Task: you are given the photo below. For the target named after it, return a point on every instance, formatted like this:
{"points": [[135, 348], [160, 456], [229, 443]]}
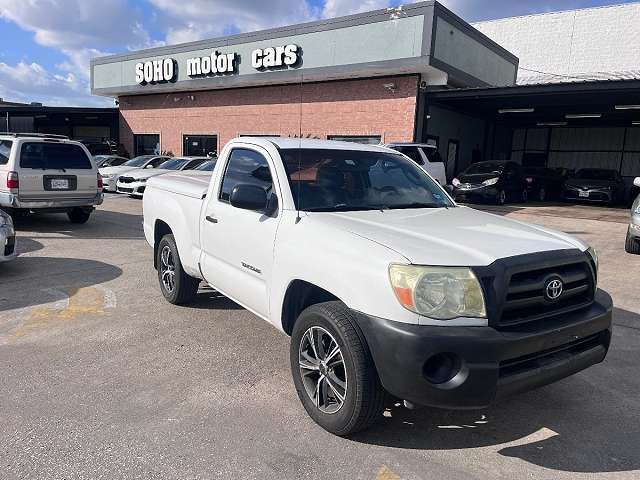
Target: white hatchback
{"points": [[48, 173]]}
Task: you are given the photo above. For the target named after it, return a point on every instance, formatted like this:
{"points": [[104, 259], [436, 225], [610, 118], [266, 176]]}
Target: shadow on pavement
{"points": [[28, 245], [30, 281], [210, 299], [587, 423]]}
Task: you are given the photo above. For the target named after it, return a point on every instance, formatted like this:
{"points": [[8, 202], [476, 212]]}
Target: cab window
{"points": [[245, 167]]}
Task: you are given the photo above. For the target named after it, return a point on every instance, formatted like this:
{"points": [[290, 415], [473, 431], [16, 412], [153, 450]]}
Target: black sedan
{"points": [[491, 182], [595, 185]]}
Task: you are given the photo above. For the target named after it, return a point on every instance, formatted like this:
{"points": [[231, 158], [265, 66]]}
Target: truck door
{"points": [[237, 244]]}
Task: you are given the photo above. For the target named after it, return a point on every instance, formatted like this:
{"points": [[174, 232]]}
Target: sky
{"points": [[46, 45]]}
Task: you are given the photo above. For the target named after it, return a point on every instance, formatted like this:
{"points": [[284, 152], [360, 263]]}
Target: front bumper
{"points": [[592, 195], [477, 194], [13, 200], [134, 188], [8, 250], [493, 363]]}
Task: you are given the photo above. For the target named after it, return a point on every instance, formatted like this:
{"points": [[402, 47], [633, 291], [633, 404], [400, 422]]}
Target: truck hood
{"points": [[458, 236]]}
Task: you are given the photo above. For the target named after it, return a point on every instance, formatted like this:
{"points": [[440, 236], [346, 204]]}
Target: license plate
{"points": [[583, 194], [60, 184]]}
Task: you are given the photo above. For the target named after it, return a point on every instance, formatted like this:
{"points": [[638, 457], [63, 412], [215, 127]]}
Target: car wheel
{"points": [[632, 245], [79, 215], [176, 285], [542, 195], [501, 198], [525, 196], [333, 371]]}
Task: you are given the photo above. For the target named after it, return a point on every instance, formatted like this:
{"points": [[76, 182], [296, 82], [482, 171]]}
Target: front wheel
{"points": [[632, 245], [501, 199], [333, 371], [176, 285]]}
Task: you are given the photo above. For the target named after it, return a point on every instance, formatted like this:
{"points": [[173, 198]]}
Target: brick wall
{"points": [[351, 107]]}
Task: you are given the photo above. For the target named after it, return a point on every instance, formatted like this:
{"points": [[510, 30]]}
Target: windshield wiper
{"points": [[341, 207], [415, 205]]}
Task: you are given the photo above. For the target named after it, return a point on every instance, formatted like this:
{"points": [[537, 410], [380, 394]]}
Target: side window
{"points": [[432, 154], [412, 153], [5, 151], [245, 166]]}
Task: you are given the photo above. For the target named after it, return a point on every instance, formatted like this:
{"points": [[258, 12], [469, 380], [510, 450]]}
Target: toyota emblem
{"points": [[553, 289]]}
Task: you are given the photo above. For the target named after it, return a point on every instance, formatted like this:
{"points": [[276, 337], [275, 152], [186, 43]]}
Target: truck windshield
{"points": [[324, 180], [54, 156]]}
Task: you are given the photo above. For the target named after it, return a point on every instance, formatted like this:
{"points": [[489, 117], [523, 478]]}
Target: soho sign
{"points": [[165, 70]]}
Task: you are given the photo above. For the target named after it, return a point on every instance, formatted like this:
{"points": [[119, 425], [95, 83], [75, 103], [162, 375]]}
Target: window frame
{"points": [[223, 175]]}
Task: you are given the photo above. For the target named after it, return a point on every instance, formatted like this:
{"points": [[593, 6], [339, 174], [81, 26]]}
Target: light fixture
{"points": [[627, 107], [516, 110], [551, 124], [583, 115]]}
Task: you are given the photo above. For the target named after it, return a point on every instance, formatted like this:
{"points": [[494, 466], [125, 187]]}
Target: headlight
{"points": [[441, 293], [455, 182], [594, 256], [491, 181]]}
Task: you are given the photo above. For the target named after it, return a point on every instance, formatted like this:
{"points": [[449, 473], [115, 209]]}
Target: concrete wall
{"points": [[592, 43], [348, 107]]}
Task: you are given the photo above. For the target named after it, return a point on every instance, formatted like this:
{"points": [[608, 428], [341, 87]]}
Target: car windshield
{"points": [[173, 164], [207, 166], [54, 156], [595, 174], [138, 161], [328, 180], [485, 167]]}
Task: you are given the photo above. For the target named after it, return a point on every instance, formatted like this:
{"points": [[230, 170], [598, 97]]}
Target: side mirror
{"points": [[249, 197], [636, 182], [149, 166]]}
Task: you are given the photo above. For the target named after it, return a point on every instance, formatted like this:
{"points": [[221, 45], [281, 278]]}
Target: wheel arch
{"points": [[301, 294], [160, 229]]}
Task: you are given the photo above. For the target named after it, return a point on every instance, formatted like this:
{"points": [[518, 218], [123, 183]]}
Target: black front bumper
{"points": [[483, 194], [493, 363]]}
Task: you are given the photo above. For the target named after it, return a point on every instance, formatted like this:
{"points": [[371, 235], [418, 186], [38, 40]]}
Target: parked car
{"points": [[382, 282], [595, 185], [110, 175], [102, 161], [134, 182], [542, 183], [493, 181], [8, 249], [426, 156], [206, 166], [47, 173], [632, 244]]}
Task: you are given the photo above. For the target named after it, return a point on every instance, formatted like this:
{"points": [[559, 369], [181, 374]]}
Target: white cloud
{"points": [[337, 8], [31, 82]]}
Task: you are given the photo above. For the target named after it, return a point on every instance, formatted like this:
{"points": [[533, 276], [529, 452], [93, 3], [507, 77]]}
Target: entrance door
{"points": [[200, 145], [237, 244], [452, 158]]}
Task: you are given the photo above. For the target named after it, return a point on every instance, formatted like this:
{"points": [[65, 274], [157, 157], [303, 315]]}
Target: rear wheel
{"points": [[176, 285], [333, 371], [542, 194], [501, 198], [79, 215], [632, 245], [525, 196]]}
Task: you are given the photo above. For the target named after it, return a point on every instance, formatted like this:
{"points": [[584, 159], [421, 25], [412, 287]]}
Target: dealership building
{"points": [[559, 89]]}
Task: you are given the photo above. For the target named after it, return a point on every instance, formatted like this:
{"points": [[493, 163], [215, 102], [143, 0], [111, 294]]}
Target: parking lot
{"points": [[102, 378]]}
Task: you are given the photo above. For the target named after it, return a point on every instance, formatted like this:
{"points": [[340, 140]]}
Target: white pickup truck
{"points": [[383, 283]]}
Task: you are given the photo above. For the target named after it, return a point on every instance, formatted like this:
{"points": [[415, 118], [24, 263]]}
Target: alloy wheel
{"points": [[168, 269], [322, 370]]}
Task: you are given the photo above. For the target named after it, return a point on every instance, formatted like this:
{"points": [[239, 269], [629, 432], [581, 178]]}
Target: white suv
{"points": [[426, 157], [47, 173]]}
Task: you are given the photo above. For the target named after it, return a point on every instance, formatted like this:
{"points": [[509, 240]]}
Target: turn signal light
{"points": [[12, 180], [100, 183]]}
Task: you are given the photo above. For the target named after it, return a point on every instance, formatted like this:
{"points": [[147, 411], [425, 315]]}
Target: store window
{"points": [[366, 139], [200, 145], [246, 167], [146, 144]]}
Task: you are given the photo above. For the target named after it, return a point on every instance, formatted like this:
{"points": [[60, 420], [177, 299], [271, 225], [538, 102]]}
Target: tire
{"points": [[501, 198], [177, 287], [632, 245], [363, 394], [525, 196], [78, 215]]}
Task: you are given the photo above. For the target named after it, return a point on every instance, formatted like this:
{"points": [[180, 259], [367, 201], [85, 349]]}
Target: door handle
{"points": [[211, 219]]}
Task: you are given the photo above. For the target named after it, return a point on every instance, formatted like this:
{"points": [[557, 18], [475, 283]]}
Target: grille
{"points": [[125, 190], [126, 179], [525, 299], [9, 246]]}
